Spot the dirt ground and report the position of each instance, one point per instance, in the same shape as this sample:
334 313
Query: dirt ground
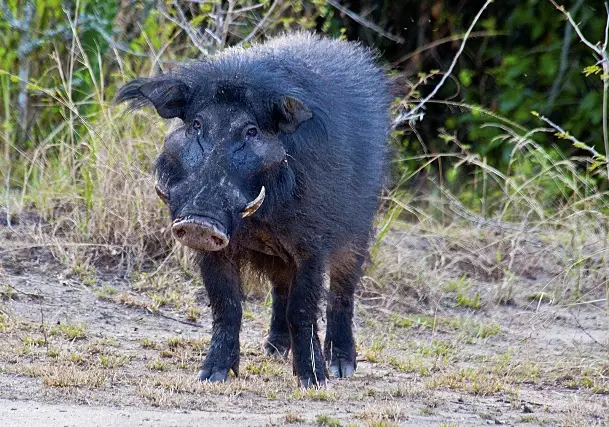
447 335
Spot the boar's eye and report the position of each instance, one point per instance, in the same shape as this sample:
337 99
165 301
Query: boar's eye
251 131
196 125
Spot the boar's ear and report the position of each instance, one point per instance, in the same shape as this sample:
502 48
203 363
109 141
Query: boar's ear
169 96
291 113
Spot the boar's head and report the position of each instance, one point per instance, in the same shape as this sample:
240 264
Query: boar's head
213 168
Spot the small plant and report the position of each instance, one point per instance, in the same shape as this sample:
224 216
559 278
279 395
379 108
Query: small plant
158 301
327 421
75 358
465 301
157 365
488 330
192 313
106 292
147 343
175 342
53 353
32 341
110 361
71 332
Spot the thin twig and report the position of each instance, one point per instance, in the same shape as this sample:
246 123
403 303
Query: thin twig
567 135
595 48
357 18
601 51
453 38
175 319
183 23
260 24
33 296
564 59
413 113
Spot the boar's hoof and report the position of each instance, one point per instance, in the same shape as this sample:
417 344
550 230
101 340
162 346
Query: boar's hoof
220 375
200 233
311 382
342 368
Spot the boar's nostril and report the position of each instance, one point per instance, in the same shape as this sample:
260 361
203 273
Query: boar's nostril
180 233
218 241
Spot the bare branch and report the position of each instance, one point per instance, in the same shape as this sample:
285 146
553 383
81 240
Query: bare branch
601 51
413 113
357 18
564 58
183 23
595 48
260 24
564 134
449 39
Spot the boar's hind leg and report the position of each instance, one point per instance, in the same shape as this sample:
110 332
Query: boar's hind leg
302 312
339 345
223 286
278 342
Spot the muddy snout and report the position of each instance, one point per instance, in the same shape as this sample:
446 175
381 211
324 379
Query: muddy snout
200 233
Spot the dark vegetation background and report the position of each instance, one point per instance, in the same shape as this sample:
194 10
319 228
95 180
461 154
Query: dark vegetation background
67 153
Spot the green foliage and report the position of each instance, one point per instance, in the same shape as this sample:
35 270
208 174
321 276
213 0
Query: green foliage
79 157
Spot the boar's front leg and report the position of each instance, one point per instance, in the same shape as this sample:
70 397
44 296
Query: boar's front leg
302 313
223 286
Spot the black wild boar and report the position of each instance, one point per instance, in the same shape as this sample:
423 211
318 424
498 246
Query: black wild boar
278 165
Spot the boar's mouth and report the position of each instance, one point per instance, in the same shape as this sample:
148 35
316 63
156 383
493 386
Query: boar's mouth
254 205
199 232
207 234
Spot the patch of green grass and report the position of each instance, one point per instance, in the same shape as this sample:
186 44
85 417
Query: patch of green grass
53 353
110 361
264 367
314 393
75 358
488 330
463 300
30 341
470 380
158 301
200 344
428 411
410 366
147 343
175 342
84 272
400 321
4 322
327 421
106 292
192 313
157 365
454 286
71 332
435 348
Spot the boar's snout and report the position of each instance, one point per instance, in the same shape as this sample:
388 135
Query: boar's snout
200 233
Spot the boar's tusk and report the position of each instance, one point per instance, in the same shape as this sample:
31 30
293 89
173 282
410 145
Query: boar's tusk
254 205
